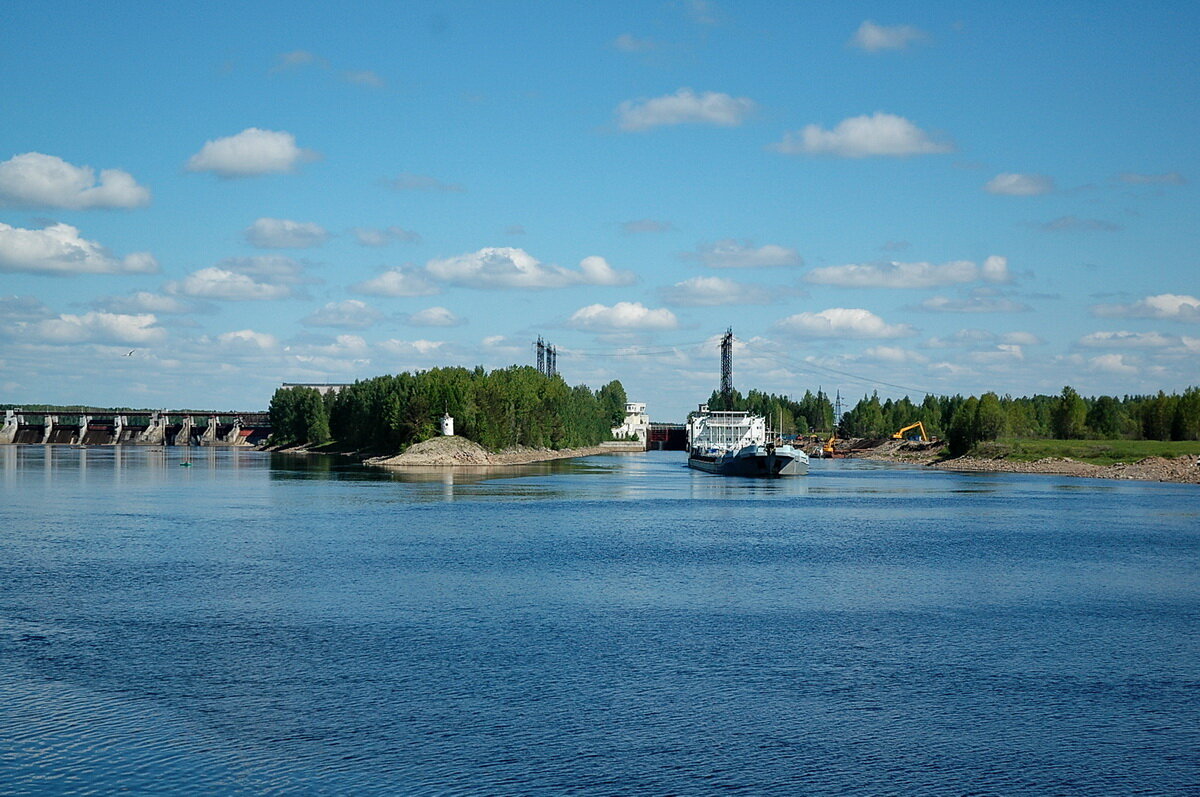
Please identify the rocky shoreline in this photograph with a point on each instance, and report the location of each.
(1182, 470)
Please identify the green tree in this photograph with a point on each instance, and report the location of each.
(989, 418)
(1069, 416)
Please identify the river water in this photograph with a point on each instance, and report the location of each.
(609, 625)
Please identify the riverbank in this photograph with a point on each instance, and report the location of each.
(1183, 470)
(452, 451)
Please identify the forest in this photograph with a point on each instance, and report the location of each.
(515, 406)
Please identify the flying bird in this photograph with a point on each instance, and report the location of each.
(130, 352)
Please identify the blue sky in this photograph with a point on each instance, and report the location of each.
(939, 197)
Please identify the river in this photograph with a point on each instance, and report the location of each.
(259, 623)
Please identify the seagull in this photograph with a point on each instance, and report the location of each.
(130, 352)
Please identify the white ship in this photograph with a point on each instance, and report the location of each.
(740, 444)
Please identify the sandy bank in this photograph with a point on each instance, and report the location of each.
(1157, 469)
(450, 451)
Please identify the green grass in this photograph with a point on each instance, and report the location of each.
(1097, 452)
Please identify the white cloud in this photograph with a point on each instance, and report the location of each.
(243, 279)
(882, 134)
(629, 43)
(397, 282)
(508, 267)
(93, 328)
(343, 346)
(411, 347)
(250, 153)
(1011, 184)
(911, 275)
(421, 182)
(1167, 306)
(369, 236)
(348, 314)
(684, 107)
(1004, 353)
(729, 253)
(37, 180)
(433, 317)
(1022, 338)
(841, 322)
(143, 302)
(364, 77)
(973, 304)
(875, 38)
(59, 249)
(297, 59)
(715, 291)
(247, 340)
(895, 355)
(1112, 364)
(1127, 340)
(622, 316)
(22, 308)
(268, 233)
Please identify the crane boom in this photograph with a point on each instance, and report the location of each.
(918, 425)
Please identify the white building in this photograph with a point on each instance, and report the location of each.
(636, 425)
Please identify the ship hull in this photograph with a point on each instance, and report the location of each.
(754, 464)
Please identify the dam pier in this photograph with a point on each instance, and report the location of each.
(109, 427)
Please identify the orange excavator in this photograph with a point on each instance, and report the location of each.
(918, 425)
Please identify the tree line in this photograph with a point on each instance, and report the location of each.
(515, 406)
(967, 421)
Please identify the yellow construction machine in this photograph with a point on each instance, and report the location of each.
(918, 425)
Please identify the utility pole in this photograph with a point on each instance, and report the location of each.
(551, 361)
(541, 355)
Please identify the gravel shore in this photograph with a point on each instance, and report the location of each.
(1183, 470)
(450, 451)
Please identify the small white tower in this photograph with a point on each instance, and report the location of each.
(447, 425)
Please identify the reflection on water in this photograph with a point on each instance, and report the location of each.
(615, 624)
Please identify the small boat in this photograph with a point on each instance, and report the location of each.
(740, 444)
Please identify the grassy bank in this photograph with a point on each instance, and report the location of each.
(1096, 452)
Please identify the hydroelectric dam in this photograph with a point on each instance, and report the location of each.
(113, 427)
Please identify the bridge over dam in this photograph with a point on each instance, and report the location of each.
(111, 427)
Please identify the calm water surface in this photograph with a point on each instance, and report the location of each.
(610, 625)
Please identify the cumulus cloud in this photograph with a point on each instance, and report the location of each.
(411, 348)
(59, 249)
(421, 182)
(348, 314)
(729, 253)
(268, 233)
(37, 180)
(370, 236)
(882, 134)
(1167, 306)
(715, 291)
(250, 153)
(143, 302)
(1012, 184)
(841, 322)
(623, 316)
(875, 38)
(629, 43)
(93, 328)
(646, 225)
(244, 279)
(1127, 340)
(1134, 178)
(22, 308)
(684, 107)
(247, 340)
(433, 317)
(1022, 338)
(1002, 354)
(508, 267)
(911, 275)
(397, 282)
(1112, 364)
